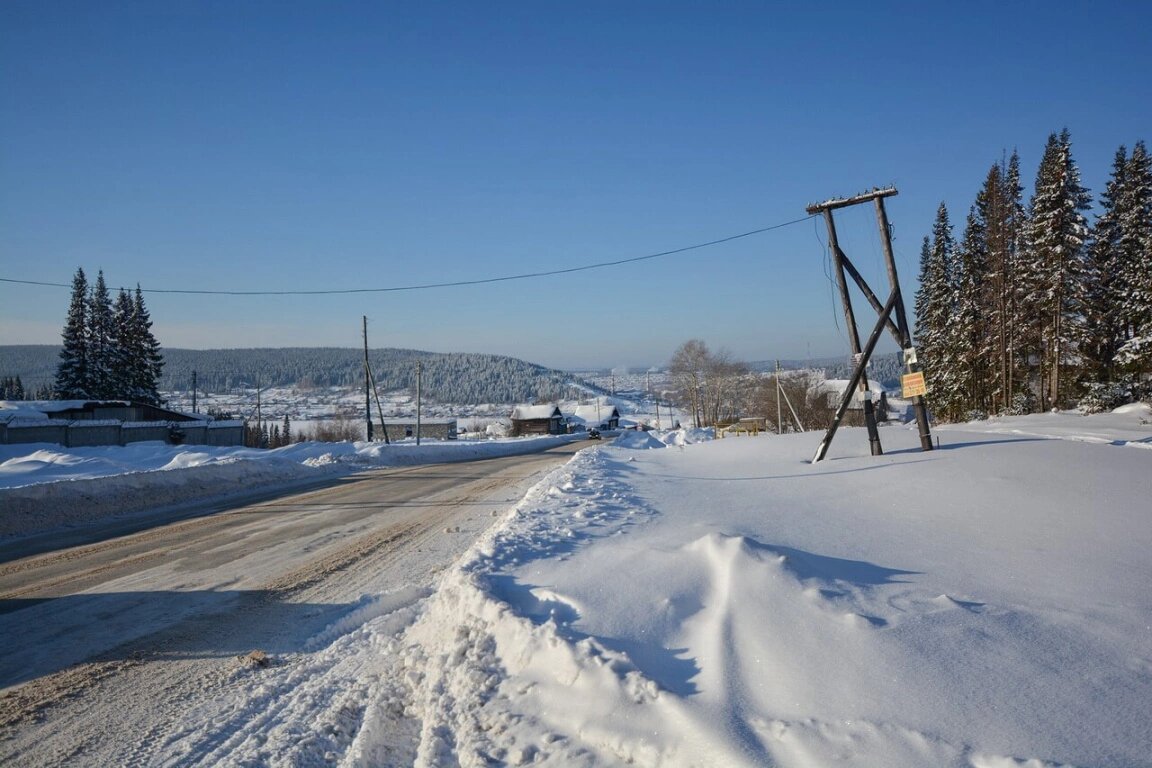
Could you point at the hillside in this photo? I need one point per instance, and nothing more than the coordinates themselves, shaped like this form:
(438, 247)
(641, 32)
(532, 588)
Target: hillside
(447, 377)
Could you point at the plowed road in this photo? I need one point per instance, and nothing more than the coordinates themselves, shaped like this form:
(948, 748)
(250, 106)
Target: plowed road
(101, 637)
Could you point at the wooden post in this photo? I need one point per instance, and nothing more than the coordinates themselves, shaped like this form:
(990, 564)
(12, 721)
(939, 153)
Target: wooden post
(893, 309)
(906, 348)
(860, 361)
(822, 449)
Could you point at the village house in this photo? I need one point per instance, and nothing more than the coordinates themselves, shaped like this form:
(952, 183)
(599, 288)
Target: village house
(537, 420)
(602, 417)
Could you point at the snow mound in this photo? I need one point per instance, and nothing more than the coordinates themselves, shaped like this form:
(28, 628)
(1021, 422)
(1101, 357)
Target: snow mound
(637, 440)
(687, 436)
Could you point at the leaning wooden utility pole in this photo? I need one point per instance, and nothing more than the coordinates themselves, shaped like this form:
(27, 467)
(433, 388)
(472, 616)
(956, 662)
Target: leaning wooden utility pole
(913, 376)
(893, 307)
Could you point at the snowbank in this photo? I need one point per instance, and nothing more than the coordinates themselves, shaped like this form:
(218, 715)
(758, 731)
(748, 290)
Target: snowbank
(979, 606)
(44, 486)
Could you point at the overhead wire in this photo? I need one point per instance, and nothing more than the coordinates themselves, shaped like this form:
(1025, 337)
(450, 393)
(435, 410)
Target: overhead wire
(447, 284)
(826, 248)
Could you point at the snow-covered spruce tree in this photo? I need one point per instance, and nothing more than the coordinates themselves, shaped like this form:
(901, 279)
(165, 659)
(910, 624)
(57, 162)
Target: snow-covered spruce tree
(73, 373)
(1054, 276)
(1003, 218)
(969, 330)
(148, 359)
(11, 388)
(103, 359)
(1134, 246)
(122, 344)
(1106, 328)
(135, 350)
(934, 309)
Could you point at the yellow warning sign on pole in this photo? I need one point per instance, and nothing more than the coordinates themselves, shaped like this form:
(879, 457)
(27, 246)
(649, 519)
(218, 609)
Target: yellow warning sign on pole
(913, 384)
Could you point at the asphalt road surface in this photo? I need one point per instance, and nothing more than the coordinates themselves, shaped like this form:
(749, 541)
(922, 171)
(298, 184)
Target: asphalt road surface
(107, 639)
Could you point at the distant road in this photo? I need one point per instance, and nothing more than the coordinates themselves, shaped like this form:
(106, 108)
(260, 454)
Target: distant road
(101, 637)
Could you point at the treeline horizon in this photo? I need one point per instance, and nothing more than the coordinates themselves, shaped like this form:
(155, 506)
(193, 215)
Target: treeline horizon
(445, 377)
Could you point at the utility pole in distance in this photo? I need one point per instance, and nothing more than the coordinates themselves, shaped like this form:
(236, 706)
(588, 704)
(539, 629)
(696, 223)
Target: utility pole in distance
(367, 383)
(894, 306)
(419, 396)
(779, 408)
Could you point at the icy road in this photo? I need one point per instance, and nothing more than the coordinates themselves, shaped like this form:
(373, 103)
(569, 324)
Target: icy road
(125, 629)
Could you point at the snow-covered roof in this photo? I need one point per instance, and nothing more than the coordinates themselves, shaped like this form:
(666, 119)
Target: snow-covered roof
(48, 409)
(526, 412)
(591, 414)
(20, 410)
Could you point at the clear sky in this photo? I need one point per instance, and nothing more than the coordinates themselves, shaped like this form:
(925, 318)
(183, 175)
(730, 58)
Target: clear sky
(305, 146)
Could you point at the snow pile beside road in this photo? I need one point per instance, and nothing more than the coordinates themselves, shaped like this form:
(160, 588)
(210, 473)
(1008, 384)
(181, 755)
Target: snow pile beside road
(637, 440)
(978, 606)
(981, 605)
(40, 507)
(44, 486)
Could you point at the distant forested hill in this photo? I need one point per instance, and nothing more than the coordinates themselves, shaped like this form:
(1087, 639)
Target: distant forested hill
(447, 378)
(885, 367)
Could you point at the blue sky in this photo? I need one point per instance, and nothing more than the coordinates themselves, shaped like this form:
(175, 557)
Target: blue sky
(288, 146)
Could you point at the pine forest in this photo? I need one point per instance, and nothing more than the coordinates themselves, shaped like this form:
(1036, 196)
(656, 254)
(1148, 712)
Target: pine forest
(1033, 308)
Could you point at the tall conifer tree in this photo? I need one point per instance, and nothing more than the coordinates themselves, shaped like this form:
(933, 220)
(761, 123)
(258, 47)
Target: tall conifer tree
(126, 347)
(146, 351)
(934, 308)
(1057, 232)
(1003, 218)
(969, 338)
(73, 373)
(1106, 324)
(103, 358)
(1135, 262)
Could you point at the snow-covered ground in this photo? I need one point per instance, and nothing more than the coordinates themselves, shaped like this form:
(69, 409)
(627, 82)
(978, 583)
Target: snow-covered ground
(686, 602)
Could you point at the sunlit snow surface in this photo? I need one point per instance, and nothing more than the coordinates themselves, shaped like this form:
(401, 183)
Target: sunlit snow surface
(728, 603)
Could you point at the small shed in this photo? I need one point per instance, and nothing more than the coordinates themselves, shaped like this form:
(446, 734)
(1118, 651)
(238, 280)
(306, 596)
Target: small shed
(602, 417)
(537, 420)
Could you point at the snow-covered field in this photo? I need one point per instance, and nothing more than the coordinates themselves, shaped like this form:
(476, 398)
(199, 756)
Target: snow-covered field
(689, 602)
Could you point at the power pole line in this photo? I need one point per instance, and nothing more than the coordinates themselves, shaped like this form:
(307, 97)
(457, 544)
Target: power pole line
(912, 365)
(893, 307)
(779, 409)
(367, 384)
(419, 396)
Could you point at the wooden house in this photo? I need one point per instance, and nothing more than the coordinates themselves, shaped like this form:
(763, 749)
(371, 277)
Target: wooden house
(537, 420)
(602, 417)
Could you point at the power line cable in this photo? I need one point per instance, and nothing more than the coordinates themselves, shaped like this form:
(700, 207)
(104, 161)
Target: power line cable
(827, 250)
(452, 284)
